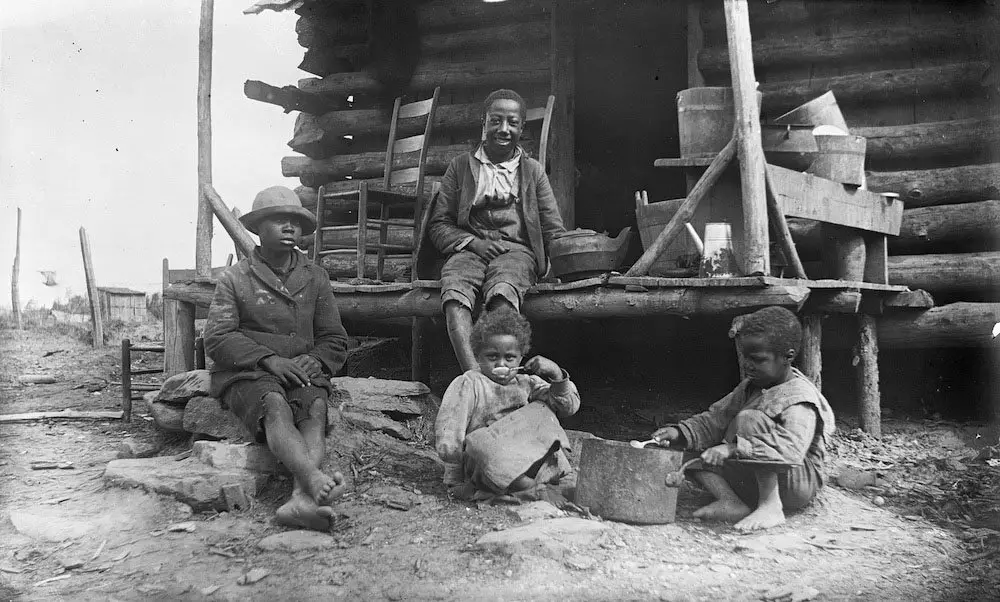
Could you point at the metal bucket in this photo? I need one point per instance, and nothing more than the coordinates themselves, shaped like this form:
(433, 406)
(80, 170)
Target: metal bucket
(822, 110)
(619, 482)
(705, 120)
(840, 158)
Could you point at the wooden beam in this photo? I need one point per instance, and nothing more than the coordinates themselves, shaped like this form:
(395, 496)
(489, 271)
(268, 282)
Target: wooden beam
(866, 357)
(695, 44)
(948, 273)
(367, 165)
(918, 299)
(958, 137)
(941, 186)
(562, 145)
(15, 274)
(178, 334)
(756, 254)
(203, 235)
(685, 211)
(95, 304)
(240, 235)
(804, 195)
(962, 324)
(290, 98)
(63, 415)
(810, 360)
(780, 225)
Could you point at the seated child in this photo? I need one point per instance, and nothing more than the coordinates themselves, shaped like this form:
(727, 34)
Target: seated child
(775, 424)
(275, 337)
(497, 429)
(493, 219)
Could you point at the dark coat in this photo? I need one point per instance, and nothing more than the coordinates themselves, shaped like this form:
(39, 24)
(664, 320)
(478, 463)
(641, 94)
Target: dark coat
(446, 220)
(253, 315)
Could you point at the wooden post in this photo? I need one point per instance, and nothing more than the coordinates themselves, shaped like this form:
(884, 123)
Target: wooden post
(15, 294)
(178, 331)
(869, 399)
(420, 361)
(756, 254)
(562, 174)
(230, 221)
(95, 303)
(695, 43)
(203, 236)
(126, 380)
(811, 357)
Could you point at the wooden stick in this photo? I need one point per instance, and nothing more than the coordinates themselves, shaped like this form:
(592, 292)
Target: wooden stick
(686, 210)
(203, 240)
(240, 235)
(95, 307)
(63, 415)
(562, 131)
(15, 294)
(781, 229)
(869, 399)
(126, 380)
(756, 254)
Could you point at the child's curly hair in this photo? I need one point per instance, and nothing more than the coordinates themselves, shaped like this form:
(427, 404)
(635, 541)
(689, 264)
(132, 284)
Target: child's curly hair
(505, 94)
(779, 328)
(502, 320)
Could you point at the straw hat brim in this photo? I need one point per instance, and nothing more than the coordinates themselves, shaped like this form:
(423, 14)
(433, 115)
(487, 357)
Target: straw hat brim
(250, 220)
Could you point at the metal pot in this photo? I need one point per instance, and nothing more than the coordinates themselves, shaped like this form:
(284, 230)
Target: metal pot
(583, 253)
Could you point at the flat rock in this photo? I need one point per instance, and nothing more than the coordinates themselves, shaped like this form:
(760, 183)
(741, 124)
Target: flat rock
(206, 416)
(382, 395)
(190, 480)
(48, 527)
(167, 417)
(535, 511)
(133, 448)
(244, 456)
(551, 537)
(296, 541)
(377, 421)
(180, 388)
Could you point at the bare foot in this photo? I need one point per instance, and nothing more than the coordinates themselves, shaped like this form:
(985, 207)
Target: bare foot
(302, 511)
(723, 510)
(764, 517)
(323, 488)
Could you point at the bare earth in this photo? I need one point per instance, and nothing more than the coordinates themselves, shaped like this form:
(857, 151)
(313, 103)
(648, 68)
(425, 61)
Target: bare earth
(65, 536)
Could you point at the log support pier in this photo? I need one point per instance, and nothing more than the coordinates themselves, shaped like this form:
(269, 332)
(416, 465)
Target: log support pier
(866, 358)
(811, 355)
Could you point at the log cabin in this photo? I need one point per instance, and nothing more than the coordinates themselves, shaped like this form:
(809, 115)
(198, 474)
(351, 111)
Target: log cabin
(917, 79)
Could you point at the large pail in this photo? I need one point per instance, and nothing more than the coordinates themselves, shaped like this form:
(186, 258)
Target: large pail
(840, 158)
(705, 119)
(623, 483)
(844, 253)
(652, 219)
(719, 260)
(822, 110)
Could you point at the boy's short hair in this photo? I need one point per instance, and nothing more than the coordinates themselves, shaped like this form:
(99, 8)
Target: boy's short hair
(502, 320)
(505, 94)
(779, 328)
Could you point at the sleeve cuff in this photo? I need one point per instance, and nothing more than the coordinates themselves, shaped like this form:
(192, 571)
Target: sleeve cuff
(463, 243)
(561, 385)
(744, 448)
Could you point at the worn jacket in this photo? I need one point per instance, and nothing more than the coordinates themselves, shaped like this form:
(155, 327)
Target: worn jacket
(253, 315)
(447, 218)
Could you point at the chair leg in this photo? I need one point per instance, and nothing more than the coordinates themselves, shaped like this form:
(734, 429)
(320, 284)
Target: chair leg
(126, 380)
(362, 227)
(383, 239)
(318, 235)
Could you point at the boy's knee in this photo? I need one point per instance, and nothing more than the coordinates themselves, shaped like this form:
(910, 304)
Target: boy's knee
(317, 409)
(276, 407)
(749, 422)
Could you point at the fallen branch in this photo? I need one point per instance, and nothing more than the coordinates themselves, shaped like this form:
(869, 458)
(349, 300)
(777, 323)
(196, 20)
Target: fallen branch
(64, 415)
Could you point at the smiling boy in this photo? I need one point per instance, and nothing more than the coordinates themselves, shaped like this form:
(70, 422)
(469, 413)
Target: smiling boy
(774, 425)
(275, 337)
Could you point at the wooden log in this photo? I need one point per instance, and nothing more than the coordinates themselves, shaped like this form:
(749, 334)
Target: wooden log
(866, 359)
(832, 302)
(366, 165)
(756, 254)
(63, 415)
(420, 361)
(198, 294)
(398, 236)
(685, 211)
(942, 186)
(882, 40)
(203, 235)
(918, 299)
(240, 235)
(178, 333)
(344, 266)
(953, 273)
(879, 86)
(562, 139)
(290, 98)
(126, 380)
(959, 137)
(960, 324)
(95, 307)
(352, 185)
(810, 360)
(15, 274)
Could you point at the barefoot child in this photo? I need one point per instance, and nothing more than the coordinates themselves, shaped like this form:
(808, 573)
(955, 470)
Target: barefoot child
(275, 337)
(497, 429)
(775, 425)
(493, 219)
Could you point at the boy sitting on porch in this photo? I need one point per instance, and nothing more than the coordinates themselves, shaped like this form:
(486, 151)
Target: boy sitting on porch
(494, 218)
(275, 336)
(774, 425)
(497, 429)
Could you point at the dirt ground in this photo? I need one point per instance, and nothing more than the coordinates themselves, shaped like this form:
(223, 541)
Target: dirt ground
(911, 517)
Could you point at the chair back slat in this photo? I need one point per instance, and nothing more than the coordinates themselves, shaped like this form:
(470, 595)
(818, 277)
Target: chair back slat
(409, 175)
(409, 145)
(416, 109)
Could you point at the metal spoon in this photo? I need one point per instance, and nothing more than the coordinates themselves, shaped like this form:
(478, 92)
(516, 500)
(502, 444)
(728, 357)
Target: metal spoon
(674, 479)
(642, 444)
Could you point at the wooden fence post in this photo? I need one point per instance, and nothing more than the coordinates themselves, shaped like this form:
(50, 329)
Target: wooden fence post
(95, 302)
(203, 237)
(15, 294)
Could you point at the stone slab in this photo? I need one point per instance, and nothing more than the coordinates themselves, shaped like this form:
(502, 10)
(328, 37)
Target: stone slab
(190, 480)
(167, 417)
(377, 421)
(535, 511)
(243, 456)
(180, 388)
(133, 448)
(206, 416)
(47, 527)
(552, 537)
(296, 541)
(399, 396)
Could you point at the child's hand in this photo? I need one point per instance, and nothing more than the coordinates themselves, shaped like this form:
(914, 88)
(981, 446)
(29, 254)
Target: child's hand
(670, 434)
(487, 249)
(715, 456)
(287, 371)
(311, 365)
(544, 368)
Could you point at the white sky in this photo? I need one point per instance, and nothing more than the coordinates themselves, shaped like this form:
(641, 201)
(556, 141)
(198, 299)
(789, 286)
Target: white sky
(98, 128)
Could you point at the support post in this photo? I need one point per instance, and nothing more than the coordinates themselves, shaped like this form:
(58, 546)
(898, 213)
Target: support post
(870, 408)
(756, 254)
(811, 357)
(420, 361)
(203, 235)
(561, 147)
(695, 43)
(126, 380)
(95, 302)
(15, 293)
(178, 336)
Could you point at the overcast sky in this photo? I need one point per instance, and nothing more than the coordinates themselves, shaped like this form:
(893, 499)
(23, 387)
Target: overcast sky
(98, 128)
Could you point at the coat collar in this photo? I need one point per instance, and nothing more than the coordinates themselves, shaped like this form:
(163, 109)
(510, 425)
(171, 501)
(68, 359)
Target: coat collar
(298, 277)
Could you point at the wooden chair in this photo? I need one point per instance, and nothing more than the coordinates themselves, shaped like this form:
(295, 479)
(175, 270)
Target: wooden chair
(402, 185)
(544, 115)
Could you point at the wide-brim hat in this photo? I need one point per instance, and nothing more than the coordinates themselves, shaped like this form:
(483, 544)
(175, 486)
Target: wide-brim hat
(278, 200)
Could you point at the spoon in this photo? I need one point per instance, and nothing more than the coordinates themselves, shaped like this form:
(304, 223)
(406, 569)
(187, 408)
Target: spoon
(502, 371)
(674, 479)
(642, 444)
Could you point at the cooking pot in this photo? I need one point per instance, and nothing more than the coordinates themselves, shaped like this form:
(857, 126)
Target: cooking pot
(583, 253)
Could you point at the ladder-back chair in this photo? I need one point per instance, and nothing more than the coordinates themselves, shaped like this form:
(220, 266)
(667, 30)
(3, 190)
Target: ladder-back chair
(402, 185)
(543, 114)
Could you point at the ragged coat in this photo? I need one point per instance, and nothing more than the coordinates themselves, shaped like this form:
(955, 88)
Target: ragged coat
(253, 315)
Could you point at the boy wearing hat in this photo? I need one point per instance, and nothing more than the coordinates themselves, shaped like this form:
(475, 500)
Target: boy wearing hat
(275, 337)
